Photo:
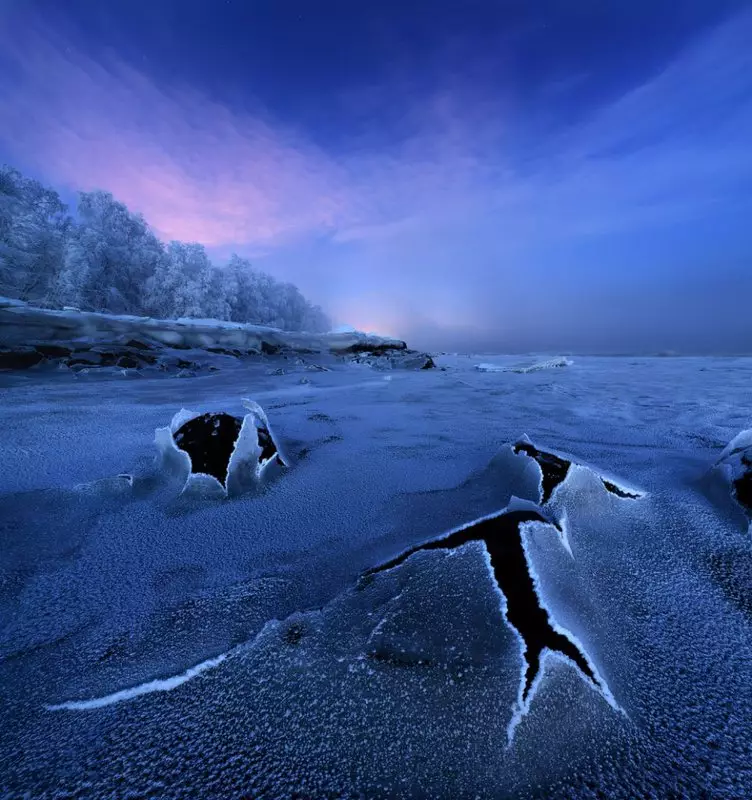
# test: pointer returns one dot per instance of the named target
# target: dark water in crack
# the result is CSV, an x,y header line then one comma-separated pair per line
x,y
209,440
503,540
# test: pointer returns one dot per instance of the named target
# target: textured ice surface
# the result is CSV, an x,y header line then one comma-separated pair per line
x,y
405,684
164,685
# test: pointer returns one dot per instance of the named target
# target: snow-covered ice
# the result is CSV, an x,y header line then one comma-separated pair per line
x,y
120,594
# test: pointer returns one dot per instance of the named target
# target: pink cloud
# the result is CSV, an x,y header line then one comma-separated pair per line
x,y
195,169
200,171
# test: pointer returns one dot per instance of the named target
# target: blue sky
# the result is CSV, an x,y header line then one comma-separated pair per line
x,y
569,176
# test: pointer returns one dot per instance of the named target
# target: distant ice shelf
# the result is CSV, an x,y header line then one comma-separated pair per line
x,y
551,363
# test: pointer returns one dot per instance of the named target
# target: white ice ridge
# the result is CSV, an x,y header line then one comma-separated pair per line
x,y
159,685
551,363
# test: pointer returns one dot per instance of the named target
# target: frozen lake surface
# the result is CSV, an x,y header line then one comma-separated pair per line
x,y
173,645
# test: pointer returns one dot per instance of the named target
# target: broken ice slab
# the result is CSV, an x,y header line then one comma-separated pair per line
x,y
555,468
502,537
552,363
735,468
217,452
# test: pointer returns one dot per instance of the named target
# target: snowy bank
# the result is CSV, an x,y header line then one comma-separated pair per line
x,y
23,324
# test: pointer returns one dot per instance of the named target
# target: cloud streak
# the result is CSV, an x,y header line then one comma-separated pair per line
x,y
194,168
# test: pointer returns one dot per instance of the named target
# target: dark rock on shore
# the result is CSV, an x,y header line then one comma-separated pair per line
x,y
20,358
84,340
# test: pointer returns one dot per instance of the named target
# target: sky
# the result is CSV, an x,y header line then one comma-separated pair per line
x,y
508,176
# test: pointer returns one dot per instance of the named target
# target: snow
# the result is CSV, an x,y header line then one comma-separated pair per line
x,y
742,441
405,683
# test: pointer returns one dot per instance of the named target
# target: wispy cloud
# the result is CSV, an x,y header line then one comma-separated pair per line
x,y
194,168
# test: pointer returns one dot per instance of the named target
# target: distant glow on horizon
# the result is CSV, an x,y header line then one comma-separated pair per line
x,y
370,324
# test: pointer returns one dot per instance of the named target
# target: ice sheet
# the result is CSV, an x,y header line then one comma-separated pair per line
x,y
399,686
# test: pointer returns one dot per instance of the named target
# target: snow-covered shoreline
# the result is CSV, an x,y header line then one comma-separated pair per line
x,y
81,340
22,324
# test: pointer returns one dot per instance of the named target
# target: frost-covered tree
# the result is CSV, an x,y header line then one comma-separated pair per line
x,y
108,259
316,320
33,230
186,284
214,300
255,296
111,253
243,291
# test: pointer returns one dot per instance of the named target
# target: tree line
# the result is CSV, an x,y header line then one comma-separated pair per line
x,y
106,258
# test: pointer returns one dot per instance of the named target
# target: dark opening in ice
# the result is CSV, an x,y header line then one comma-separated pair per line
x,y
743,485
268,450
618,491
554,469
209,440
503,541
293,633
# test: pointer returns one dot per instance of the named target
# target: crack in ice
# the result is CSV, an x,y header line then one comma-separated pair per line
x,y
555,470
521,604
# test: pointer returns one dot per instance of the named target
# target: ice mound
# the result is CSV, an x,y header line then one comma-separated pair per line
x,y
502,536
219,453
735,467
388,360
551,363
556,468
